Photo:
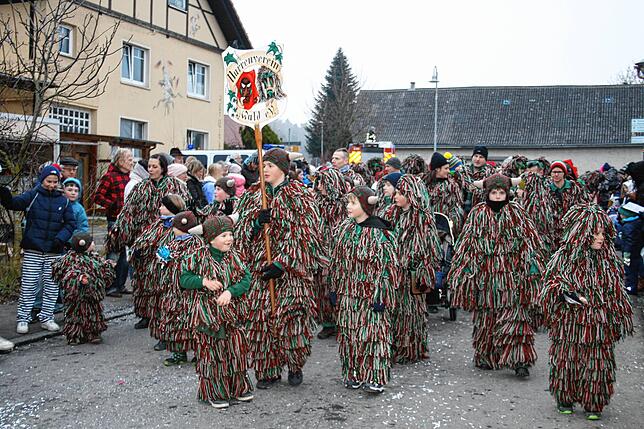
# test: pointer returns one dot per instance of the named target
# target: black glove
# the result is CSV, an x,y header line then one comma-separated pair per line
x,y
333,298
58,246
272,271
264,217
5,196
378,307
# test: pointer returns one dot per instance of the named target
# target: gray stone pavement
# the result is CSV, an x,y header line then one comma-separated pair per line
x,y
122,383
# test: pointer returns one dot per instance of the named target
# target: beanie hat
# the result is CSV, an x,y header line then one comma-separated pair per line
x,y
171,202
393,178
184,221
234,168
73,181
227,184
279,157
213,227
49,170
437,161
176,170
81,241
454,161
367,198
480,150
559,164
497,181
394,162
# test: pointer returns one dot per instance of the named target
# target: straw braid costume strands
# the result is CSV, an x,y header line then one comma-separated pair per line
x,y
495,274
414,164
298,246
175,326
365,270
84,319
538,204
419,252
583,336
446,196
563,199
333,211
141,209
224,208
384,202
221,347
147,277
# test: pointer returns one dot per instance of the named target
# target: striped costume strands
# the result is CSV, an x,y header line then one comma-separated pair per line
x,y
538,204
583,335
563,199
36,266
84,319
446,196
470,175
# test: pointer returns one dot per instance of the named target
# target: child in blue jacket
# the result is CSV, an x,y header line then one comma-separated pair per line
x,y
73,190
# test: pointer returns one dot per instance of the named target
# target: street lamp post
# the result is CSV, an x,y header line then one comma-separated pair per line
x,y
639,66
435,81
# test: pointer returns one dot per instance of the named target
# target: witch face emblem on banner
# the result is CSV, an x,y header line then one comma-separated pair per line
x,y
253,85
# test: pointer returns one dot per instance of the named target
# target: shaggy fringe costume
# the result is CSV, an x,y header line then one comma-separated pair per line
x,y
582,359
141,209
414,164
84,319
446,196
419,253
365,271
470,175
563,199
538,204
175,328
333,211
298,246
147,278
220,344
495,274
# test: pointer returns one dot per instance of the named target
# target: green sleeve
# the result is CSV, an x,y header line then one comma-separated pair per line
x,y
190,280
238,289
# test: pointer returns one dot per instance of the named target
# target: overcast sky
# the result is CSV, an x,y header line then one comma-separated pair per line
x,y
473,42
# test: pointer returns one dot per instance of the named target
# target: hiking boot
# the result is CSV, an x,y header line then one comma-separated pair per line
x,y
593,416
374,388
267,383
484,366
160,346
246,397
50,326
142,324
352,384
522,372
219,403
564,408
176,359
295,377
327,332
22,328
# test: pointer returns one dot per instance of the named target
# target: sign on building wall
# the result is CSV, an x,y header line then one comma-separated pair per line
x,y
637,130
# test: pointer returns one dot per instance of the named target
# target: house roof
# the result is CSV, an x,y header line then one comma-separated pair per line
x,y
503,116
230,23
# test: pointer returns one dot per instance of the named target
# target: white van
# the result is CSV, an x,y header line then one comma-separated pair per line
x,y
208,157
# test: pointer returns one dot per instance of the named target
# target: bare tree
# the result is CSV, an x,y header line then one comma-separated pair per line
x,y
628,76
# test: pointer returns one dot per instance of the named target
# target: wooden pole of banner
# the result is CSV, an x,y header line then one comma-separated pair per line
x,y
262,186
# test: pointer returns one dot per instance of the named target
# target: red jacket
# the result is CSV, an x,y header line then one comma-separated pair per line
x,y
111,191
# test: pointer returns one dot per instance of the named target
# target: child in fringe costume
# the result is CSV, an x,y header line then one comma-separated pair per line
x,y
141,209
537,202
297,247
445,192
331,189
175,327
225,200
83,276
414,164
564,194
495,274
218,278
385,193
147,277
365,271
419,253
586,311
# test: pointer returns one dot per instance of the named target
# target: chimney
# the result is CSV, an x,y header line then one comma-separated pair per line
x,y
412,86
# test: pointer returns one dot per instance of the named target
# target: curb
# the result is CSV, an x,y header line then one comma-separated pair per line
x,y
40,336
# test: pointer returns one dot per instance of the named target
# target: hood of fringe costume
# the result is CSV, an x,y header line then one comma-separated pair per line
x,y
67,271
446,196
141,208
363,171
515,166
413,188
501,249
566,198
297,241
414,164
538,203
333,183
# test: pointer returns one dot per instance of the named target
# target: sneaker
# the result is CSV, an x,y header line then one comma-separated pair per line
x,y
219,403
593,416
267,383
96,339
246,397
5,345
522,372
373,388
564,408
176,359
50,326
22,328
327,332
160,346
142,324
352,384
295,377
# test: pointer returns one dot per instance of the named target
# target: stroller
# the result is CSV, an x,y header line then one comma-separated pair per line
x,y
444,227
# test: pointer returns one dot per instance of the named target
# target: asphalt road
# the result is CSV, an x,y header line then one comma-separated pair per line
x,y
123,383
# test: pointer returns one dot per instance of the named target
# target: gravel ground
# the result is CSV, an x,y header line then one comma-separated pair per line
x,y
123,383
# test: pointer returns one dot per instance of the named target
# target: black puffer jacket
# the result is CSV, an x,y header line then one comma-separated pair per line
x,y
197,197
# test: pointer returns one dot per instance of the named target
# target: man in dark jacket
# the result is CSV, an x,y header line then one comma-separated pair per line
x,y
50,224
630,241
250,170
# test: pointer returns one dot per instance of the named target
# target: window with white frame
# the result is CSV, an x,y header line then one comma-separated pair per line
x,y
72,120
65,34
134,64
179,4
133,129
197,79
197,140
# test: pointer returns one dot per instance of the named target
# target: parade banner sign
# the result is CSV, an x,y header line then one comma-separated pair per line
x,y
253,85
